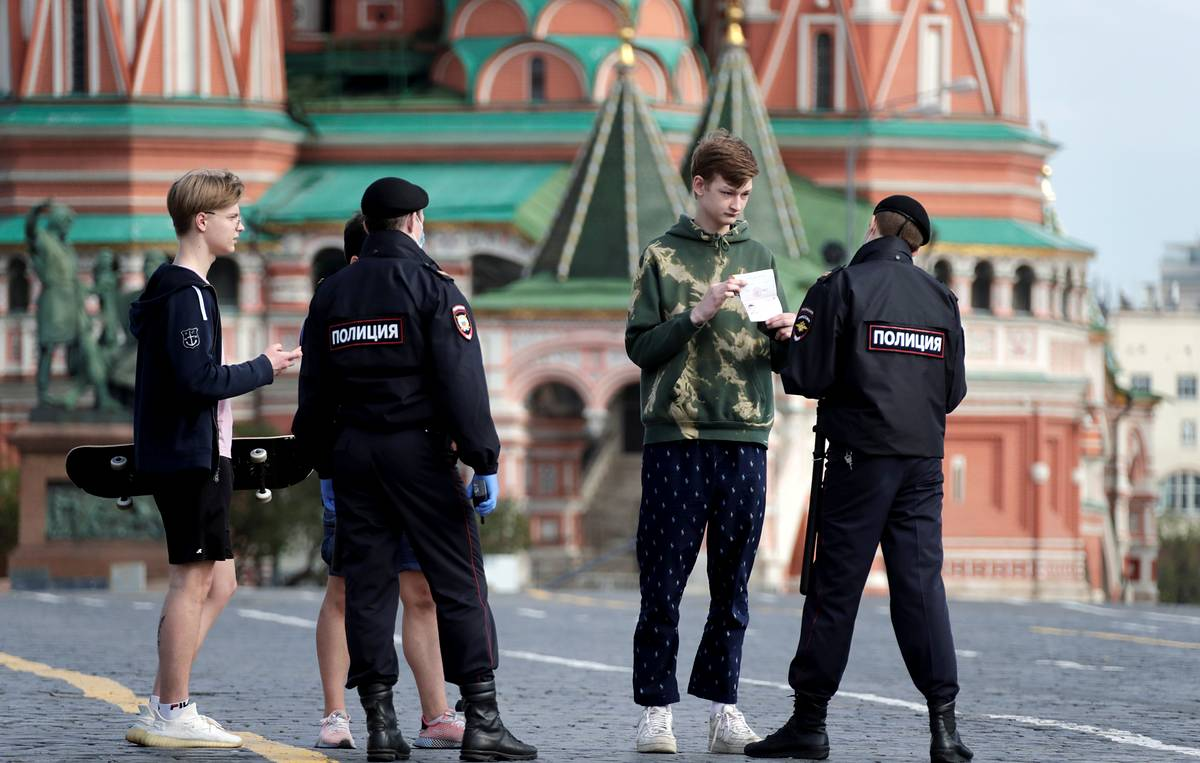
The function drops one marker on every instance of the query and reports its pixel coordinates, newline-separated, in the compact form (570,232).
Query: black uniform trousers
(869,500)
(389,483)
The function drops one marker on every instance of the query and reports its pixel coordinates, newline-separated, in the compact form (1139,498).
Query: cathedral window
(981,288)
(823,67)
(537,79)
(1023,290)
(18,286)
(943,273)
(224,277)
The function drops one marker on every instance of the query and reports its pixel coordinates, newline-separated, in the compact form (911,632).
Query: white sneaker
(137,732)
(335,731)
(654,732)
(191,729)
(728,731)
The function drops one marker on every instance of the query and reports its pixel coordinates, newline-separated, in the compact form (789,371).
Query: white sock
(716,708)
(172,711)
(153,701)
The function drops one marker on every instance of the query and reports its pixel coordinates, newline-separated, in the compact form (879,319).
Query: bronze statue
(62,319)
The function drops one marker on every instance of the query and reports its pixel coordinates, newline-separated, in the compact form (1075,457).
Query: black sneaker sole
(484,757)
(803,753)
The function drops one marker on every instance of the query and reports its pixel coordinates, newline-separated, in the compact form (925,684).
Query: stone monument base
(66,539)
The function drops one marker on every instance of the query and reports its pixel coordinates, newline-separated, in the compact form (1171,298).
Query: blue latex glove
(485,489)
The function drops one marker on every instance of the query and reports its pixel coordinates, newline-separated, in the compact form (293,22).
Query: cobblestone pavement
(1040,682)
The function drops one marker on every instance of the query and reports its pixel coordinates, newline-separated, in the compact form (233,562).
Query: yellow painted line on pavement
(108,690)
(1109,636)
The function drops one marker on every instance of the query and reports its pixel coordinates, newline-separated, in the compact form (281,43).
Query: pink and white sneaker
(335,731)
(442,733)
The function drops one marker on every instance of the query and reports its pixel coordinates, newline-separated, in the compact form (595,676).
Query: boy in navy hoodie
(182,435)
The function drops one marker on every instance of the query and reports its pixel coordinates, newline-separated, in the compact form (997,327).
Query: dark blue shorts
(404,561)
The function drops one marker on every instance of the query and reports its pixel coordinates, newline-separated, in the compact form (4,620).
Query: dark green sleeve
(651,341)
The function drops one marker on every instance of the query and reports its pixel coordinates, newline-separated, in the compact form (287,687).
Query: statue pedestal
(67,539)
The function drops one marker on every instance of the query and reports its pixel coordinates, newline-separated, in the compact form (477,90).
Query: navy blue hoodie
(180,378)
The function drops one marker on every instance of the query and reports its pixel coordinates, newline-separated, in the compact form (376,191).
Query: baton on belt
(814,509)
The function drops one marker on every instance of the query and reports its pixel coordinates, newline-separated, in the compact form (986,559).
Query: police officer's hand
(281,359)
(714,298)
(782,324)
(488,486)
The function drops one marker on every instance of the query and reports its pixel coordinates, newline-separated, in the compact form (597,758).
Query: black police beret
(393,197)
(910,208)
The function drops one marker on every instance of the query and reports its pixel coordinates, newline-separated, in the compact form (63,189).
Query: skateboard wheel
(124,502)
(118,463)
(258,456)
(263,495)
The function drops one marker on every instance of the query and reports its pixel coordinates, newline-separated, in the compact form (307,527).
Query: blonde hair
(890,223)
(201,191)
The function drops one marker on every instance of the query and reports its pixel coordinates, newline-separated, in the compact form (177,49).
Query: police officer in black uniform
(880,344)
(394,376)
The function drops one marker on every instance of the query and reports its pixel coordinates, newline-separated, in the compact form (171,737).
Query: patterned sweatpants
(689,486)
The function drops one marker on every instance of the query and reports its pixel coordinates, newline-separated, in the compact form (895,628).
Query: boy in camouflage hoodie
(707,401)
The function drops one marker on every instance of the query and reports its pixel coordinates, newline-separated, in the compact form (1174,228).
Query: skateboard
(260,464)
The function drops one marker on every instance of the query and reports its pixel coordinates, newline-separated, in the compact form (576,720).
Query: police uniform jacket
(880,344)
(389,344)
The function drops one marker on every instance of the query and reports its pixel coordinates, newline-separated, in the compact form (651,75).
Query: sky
(1116,84)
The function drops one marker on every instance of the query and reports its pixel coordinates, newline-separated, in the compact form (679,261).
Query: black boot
(485,737)
(384,741)
(945,746)
(803,736)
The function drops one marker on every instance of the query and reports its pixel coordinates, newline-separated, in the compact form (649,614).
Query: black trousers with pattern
(688,487)
(868,501)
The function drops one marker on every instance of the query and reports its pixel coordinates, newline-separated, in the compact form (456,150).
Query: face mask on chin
(421,239)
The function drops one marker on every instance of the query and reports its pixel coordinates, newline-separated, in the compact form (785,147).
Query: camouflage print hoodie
(711,382)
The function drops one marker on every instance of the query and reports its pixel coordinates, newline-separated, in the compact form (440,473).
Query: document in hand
(759,295)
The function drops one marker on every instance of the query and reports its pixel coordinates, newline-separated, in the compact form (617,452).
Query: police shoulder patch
(462,321)
(802,325)
(906,340)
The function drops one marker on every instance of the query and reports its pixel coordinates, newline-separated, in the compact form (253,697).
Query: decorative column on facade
(1056,289)
(962,274)
(1002,288)
(1076,302)
(130,271)
(1042,292)
(250,288)
(288,277)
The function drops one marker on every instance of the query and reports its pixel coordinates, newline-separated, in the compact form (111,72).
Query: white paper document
(759,295)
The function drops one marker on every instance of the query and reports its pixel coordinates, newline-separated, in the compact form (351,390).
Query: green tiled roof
(621,193)
(195,114)
(533,9)
(100,229)
(735,104)
(589,50)
(934,129)
(824,213)
(1001,232)
(467,192)
(545,292)
(456,126)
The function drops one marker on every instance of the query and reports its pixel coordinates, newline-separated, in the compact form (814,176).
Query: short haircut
(376,224)
(354,235)
(890,223)
(719,153)
(201,191)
